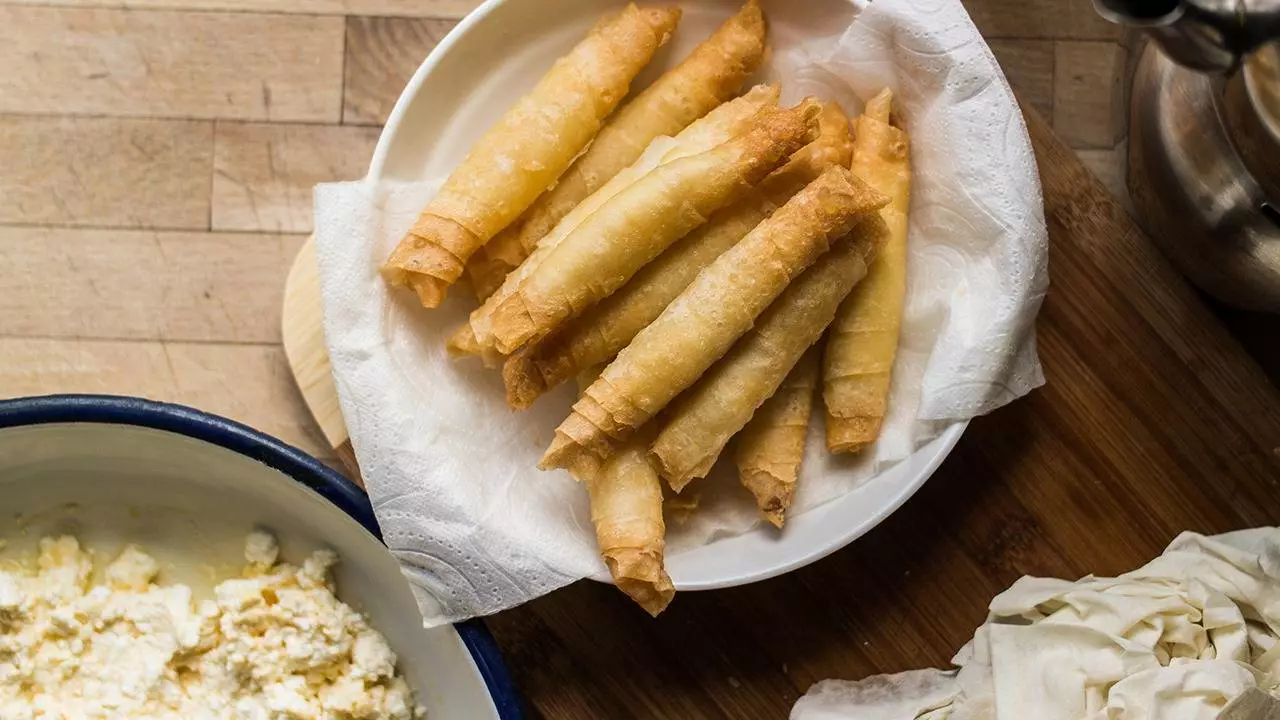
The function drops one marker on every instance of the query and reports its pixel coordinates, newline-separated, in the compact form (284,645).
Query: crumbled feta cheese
(276,643)
(261,549)
(133,570)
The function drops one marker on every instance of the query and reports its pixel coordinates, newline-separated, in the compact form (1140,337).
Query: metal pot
(1204,140)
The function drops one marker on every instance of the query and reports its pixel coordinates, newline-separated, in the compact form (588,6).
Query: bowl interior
(191,503)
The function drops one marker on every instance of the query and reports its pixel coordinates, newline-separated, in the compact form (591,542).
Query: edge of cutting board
(302,333)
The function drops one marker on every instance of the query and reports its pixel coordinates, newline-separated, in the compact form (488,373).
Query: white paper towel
(1190,634)
(451,471)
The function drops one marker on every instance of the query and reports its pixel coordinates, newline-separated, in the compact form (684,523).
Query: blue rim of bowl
(296,464)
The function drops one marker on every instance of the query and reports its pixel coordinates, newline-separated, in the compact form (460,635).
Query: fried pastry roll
(527,150)
(863,341)
(713,73)
(700,423)
(636,225)
(704,321)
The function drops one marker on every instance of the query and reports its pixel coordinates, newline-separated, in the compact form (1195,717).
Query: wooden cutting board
(1153,421)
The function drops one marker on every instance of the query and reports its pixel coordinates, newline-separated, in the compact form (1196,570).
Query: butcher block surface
(153,199)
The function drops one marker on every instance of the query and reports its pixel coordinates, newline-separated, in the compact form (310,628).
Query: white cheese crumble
(275,644)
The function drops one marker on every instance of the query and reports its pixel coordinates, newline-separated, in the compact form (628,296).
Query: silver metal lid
(1206,35)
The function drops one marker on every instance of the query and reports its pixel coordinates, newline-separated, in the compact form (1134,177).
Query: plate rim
(947,440)
(949,436)
(389,129)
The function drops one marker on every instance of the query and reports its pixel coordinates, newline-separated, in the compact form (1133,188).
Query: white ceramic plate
(494,56)
(188,487)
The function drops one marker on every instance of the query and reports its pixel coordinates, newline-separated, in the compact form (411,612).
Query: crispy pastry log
(710,75)
(601,332)
(643,220)
(700,423)
(863,341)
(524,153)
(771,447)
(700,325)
(716,127)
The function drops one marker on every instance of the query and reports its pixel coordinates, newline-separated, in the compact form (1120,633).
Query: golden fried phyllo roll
(713,73)
(637,224)
(714,128)
(700,423)
(527,150)
(600,333)
(863,341)
(700,325)
(626,508)
(771,447)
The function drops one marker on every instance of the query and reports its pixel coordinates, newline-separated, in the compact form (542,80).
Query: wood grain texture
(170,64)
(1153,421)
(1089,93)
(249,383)
(1028,65)
(1258,333)
(1109,167)
(346,461)
(1040,19)
(381,55)
(264,173)
(451,9)
(117,284)
(105,171)
(302,330)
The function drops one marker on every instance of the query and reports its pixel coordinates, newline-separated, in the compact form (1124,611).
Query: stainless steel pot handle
(1204,35)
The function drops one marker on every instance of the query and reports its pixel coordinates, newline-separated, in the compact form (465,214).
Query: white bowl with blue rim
(189,486)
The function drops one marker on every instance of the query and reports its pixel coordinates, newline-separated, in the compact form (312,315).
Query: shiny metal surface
(1262,81)
(1196,195)
(1206,35)
(1250,109)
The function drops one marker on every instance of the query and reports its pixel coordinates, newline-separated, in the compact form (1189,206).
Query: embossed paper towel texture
(451,470)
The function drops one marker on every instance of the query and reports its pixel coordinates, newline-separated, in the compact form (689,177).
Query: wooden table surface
(155,175)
